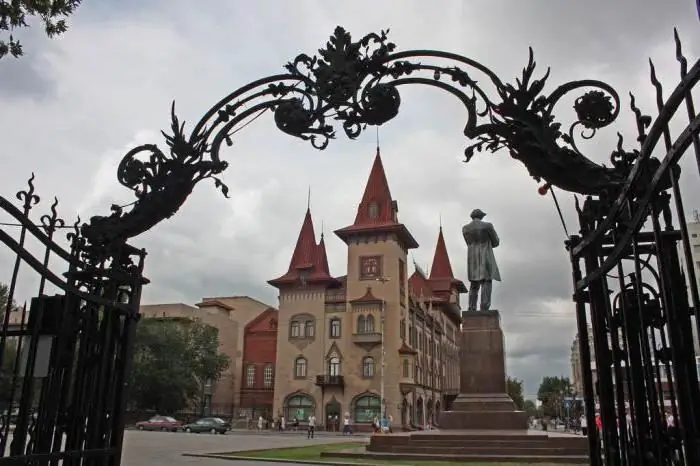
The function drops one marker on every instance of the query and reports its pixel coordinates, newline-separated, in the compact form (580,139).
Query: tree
(14,14)
(173,358)
(514,387)
(552,392)
(530,408)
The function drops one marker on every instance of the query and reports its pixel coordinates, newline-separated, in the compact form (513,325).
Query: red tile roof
(377,212)
(309,260)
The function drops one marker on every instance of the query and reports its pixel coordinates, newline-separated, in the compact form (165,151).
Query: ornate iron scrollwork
(357,84)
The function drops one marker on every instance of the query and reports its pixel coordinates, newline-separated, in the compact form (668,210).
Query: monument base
(483,403)
(483,412)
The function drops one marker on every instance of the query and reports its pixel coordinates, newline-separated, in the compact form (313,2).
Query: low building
(231,316)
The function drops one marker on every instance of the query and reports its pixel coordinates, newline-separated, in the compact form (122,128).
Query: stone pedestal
(483,402)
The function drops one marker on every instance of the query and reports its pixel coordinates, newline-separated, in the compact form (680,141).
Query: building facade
(332,329)
(258,368)
(231,316)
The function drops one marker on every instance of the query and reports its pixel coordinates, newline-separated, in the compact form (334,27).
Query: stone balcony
(325,380)
(367,338)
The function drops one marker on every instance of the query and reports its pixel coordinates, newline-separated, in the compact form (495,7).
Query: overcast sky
(73,106)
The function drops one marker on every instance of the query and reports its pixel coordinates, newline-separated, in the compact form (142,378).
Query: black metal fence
(64,354)
(641,381)
(64,361)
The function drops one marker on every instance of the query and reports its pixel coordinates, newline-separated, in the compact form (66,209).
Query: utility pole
(383,358)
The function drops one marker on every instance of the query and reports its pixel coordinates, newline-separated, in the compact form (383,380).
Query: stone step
(446,435)
(562,443)
(483,450)
(492,458)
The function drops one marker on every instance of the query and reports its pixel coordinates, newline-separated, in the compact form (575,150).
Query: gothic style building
(332,328)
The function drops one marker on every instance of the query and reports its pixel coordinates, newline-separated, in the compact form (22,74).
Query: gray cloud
(115,75)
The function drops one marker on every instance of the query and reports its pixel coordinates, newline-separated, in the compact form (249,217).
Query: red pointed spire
(309,259)
(376,206)
(377,212)
(442,279)
(321,263)
(303,256)
(441,267)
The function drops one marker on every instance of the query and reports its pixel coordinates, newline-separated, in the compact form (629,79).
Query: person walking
(312,427)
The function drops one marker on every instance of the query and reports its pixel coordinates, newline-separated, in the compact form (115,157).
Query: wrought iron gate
(64,354)
(76,344)
(632,298)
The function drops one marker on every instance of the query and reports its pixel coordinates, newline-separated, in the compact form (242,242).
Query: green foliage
(14,14)
(4,292)
(514,387)
(172,359)
(552,392)
(7,371)
(530,408)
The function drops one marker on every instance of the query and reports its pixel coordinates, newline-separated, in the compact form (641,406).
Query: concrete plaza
(167,448)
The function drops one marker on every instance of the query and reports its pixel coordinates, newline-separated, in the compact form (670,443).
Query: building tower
(330,339)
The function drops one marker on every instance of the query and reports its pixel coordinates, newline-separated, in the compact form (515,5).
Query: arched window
(298,407)
(360,324)
(373,210)
(250,376)
(334,366)
(334,328)
(309,329)
(368,367)
(369,324)
(366,409)
(300,367)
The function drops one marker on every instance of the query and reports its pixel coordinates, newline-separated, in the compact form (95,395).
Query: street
(166,448)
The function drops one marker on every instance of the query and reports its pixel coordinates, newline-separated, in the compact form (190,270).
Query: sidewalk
(300,432)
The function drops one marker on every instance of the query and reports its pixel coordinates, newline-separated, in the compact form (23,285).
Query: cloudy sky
(73,106)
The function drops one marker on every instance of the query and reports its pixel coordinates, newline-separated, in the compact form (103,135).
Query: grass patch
(313,453)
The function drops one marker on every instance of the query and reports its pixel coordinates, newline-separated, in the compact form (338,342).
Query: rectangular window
(250,376)
(402,280)
(268,376)
(406,369)
(295,330)
(402,329)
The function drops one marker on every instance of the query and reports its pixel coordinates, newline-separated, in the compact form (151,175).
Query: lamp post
(383,358)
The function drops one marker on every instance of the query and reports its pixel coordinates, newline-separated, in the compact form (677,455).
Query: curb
(276,460)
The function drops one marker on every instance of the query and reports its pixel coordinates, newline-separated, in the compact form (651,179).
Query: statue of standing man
(482,269)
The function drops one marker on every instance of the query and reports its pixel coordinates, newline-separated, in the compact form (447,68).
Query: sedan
(214,425)
(165,423)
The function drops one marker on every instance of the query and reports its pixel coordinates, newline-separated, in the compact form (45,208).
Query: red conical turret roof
(441,267)
(321,271)
(376,196)
(309,261)
(441,276)
(377,212)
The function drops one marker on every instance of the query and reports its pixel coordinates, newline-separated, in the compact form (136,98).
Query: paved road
(166,448)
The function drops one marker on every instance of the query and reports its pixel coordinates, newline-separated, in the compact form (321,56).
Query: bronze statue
(482,269)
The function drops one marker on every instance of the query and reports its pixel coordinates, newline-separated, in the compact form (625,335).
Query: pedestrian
(584,425)
(312,427)
(346,425)
(261,422)
(283,423)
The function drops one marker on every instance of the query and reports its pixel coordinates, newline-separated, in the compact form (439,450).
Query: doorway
(333,416)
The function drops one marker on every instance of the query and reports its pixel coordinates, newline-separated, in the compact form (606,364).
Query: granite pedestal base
(483,402)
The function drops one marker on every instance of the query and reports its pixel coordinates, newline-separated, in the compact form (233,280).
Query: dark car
(214,425)
(165,423)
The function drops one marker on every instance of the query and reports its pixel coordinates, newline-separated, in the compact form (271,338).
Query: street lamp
(383,359)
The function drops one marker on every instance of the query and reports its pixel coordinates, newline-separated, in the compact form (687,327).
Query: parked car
(214,425)
(160,423)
